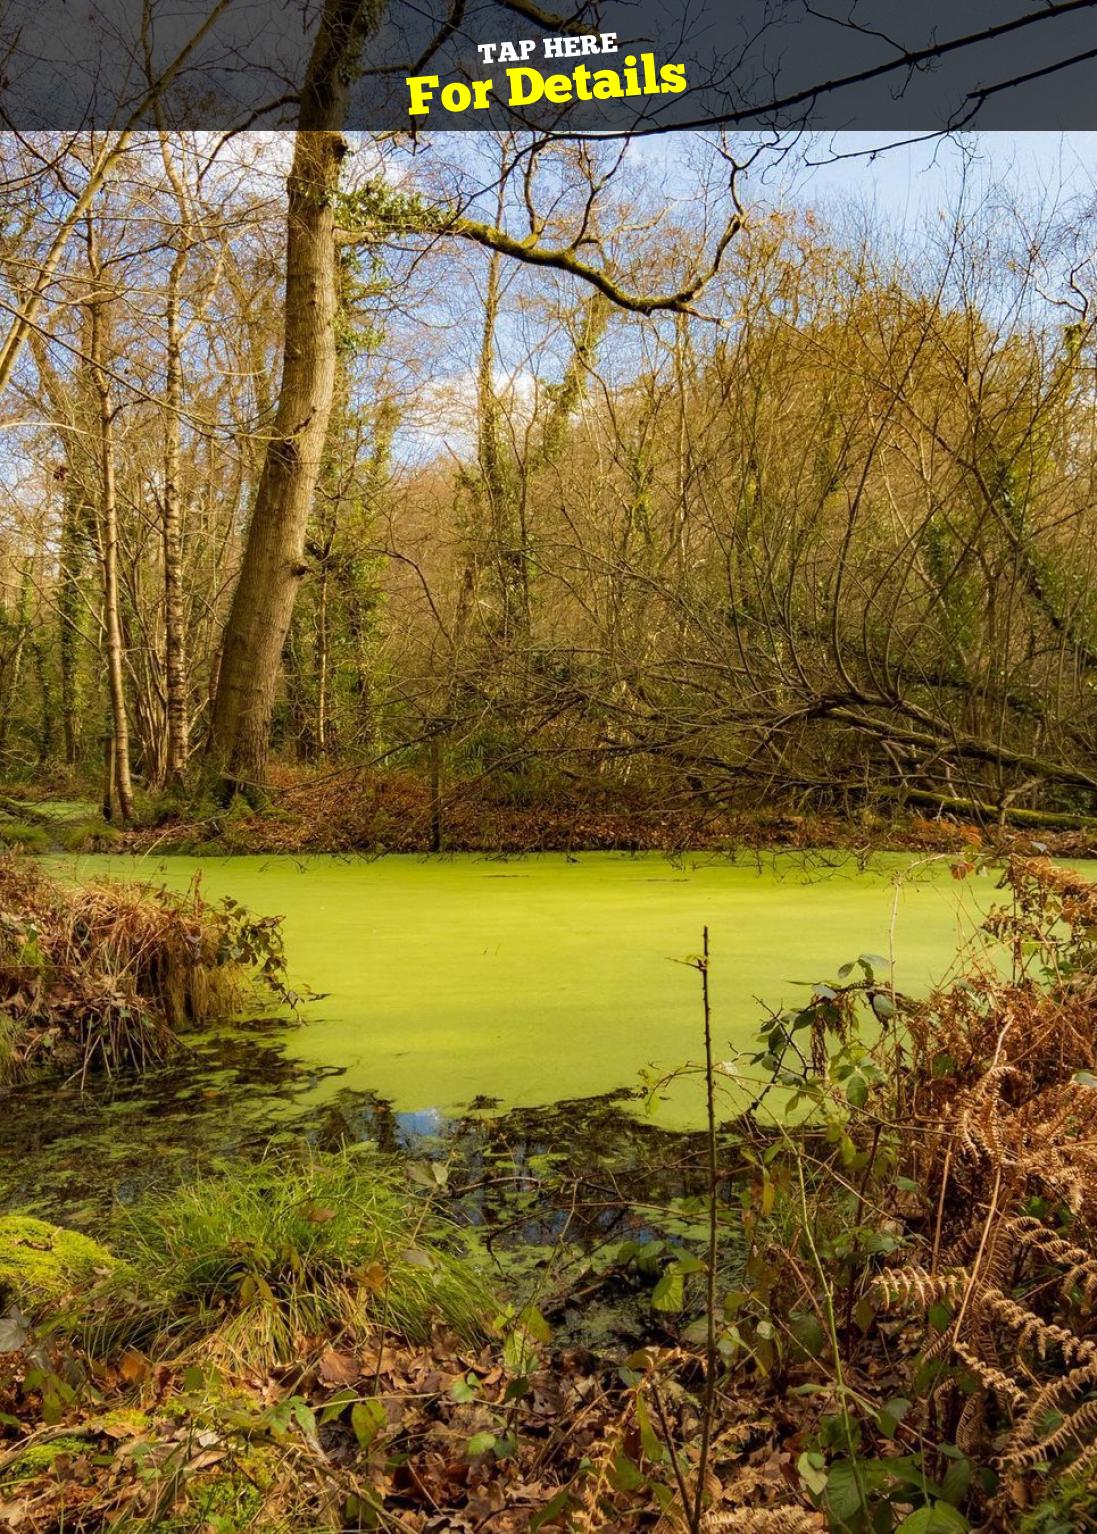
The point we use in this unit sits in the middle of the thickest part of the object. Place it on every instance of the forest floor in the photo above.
(392, 811)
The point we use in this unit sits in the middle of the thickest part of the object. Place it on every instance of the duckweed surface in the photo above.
(451, 982)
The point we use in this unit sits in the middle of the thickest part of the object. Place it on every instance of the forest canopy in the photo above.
(634, 469)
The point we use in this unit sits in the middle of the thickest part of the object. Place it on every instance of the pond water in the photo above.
(521, 982)
(484, 1011)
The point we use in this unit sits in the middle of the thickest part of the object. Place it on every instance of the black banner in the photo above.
(617, 66)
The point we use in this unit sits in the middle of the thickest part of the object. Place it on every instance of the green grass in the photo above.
(261, 1264)
(22, 836)
(88, 835)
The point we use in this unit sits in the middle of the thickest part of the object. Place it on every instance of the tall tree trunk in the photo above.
(68, 610)
(175, 663)
(176, 718)
(108, 543)
(13, 676)
(106, 158)
(322, 660)
(273, 562)
(46, 737)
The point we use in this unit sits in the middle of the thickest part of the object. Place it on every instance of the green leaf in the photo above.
(551, 1510)
(957, 1479)
(650, 1441)
(939, 1518)
(535, 1324)
(940, 1316)
(367, 1418)
(480, 1443)
(669, 1292)
(812, 1471)
(626, 1475)
(336, 1405)
(890, 1416)
(843, 1491)
(864, 1313)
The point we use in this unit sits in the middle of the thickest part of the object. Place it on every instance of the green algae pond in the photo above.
(461, 985)
(449, 981)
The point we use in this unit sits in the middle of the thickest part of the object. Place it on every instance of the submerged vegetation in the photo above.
(103, 976)
(869, 1311)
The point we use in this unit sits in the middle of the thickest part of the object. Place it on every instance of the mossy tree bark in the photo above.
(68, 612)
(175, 661)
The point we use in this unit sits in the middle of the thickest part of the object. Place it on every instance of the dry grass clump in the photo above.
(102, 976)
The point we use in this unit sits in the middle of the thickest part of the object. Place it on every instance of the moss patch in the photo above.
(40, 1458)
(42, 1264)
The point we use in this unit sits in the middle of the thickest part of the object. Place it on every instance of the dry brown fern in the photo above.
(1006, 1128)
(762, 1520)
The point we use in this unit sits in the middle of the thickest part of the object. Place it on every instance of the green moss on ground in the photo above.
(228, 1499)
(41, 1458)
(41, 1265)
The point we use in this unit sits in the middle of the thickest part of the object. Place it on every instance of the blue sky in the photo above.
(907, 181)
(907, 185)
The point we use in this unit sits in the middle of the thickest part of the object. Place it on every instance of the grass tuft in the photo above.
(22, 836)
(257, 1266)
(90, 835)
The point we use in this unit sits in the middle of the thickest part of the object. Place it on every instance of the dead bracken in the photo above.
(104, 976)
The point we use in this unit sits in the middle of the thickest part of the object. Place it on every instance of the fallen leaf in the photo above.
(338, 1368)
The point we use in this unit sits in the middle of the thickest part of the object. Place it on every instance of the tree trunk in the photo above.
(68, 610)
(108, 543)
(175, 664)
(13, 677)
(46, 741)
(322, 658)
(273, 562)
